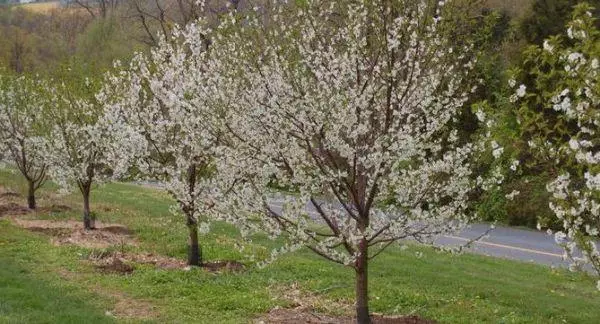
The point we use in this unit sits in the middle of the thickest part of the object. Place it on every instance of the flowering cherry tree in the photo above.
(559, 106)
(75, 143)
(351, 104)
(21, 103)
(161, 110)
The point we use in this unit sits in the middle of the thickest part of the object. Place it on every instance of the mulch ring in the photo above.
(13, 209)
(123, 262)
(8, 194)
(305, 316)
(308, 307)
(8, 206)
(73, 233)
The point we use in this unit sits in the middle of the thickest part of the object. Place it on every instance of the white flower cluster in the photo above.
(350, 104)
(21, 107)
(575, 192)
(161, 114)
(352, 111)
(520, 92)
(74, 143)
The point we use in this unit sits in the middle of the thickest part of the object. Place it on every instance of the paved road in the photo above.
(512, 243)
(503, 242)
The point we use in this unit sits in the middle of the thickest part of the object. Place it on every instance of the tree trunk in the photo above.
(194, 251)
(31, 196)
(362, 285)
(89, 221)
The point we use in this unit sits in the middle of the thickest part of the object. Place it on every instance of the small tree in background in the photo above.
(559, 100)
(75, 144)
(353, 102)
(161, 110)
(21, 102)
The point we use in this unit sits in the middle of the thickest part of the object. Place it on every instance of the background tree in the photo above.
(75, 144)
(37, 42)
(161, 108)
(352, 105)
(158, 18)
(21, 103)
(98, 8)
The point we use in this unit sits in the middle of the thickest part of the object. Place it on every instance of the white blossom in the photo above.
(514, 165)
(21, 104)
(521, 91)
(360, 140)
(548, 47)
(75, 144)
(512, 195)
(576, 189)
(161, 110)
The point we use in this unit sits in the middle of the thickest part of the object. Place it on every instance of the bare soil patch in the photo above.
(303, 300)
(6, 193)
(304, 316)
(13, 209)
(311, 308)
(119, 262)
(58, 232)
(72, 232)
(8, 204)
(9, 195)
(114, 261)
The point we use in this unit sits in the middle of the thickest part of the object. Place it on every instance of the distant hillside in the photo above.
(41, 6)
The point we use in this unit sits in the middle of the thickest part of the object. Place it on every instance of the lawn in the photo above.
(41, 282)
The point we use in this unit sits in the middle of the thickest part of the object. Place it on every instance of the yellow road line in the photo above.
(506, 246)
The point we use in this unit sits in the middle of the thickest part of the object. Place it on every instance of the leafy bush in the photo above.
(528, 207)
(548, 17)
(492, 206)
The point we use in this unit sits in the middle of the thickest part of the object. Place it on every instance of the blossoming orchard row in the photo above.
(350, 104)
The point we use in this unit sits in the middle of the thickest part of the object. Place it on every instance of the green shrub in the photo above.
(548, 17)
(492, 206)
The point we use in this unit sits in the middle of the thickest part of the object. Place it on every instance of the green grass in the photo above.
(29, 293)
(447, 288)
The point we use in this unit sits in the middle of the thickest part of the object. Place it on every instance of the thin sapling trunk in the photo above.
(31, 195)
(89, 220)
(194, 250)
(362, 285)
